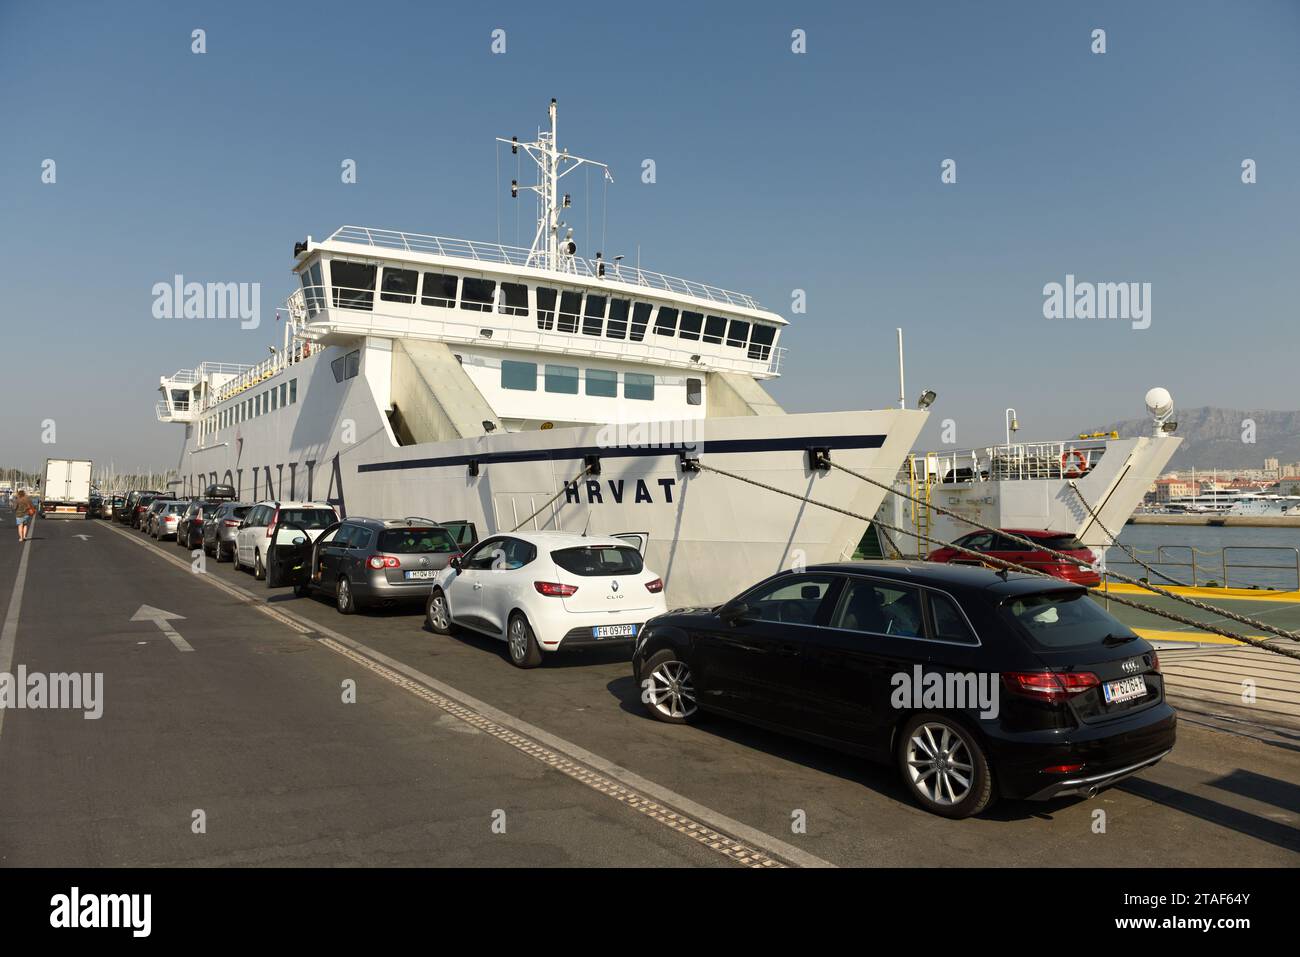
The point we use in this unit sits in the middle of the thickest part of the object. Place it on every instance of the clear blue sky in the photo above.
(776, 171)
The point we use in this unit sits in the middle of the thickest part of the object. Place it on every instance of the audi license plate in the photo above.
(614, 631)
(420, 573)
(1126, 689)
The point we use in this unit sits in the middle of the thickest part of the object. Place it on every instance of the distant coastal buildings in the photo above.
(1274, 478)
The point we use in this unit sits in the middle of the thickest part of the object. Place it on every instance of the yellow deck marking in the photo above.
(1243, 594)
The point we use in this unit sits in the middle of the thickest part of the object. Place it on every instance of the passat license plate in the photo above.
(421, 573)
(614, 631)
(1126, 689)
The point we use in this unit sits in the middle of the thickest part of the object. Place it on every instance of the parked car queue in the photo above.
(1064, 699)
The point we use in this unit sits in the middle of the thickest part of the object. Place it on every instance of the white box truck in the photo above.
(65, 490)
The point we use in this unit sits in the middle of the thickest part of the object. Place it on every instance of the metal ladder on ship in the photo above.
(919, 487)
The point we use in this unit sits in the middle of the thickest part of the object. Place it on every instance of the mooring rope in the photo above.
(1038, 546)
(1172, 616)
(1115, 541)
(551, 500)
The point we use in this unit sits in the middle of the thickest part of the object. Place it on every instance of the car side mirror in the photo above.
(736, 614)
(455, 562)
(244, 524)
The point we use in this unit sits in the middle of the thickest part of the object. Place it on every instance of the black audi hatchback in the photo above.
(975, 683)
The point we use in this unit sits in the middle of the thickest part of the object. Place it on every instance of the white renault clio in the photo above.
(544, 591)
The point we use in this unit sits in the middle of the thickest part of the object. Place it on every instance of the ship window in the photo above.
(690, 327)
(570, 303)
(638, 386)
(602, 382)
(354, 284)
(562, 379)
(514, 299)
(760, 341)
(439, 290)
(737, 333)
(293, 391)
(284, 394)
(640, 319)
(694, 391)
(477, 294)
(399, 285)
(714, 329)
(312, 289)
(616, 328)
(593, 317)
(275, 398)
(521, 376)
(666, 321)
(346, 367)
(545, 308)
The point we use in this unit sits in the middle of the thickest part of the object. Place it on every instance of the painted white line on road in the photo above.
(9, 634)
(704, 815)
(164, 619)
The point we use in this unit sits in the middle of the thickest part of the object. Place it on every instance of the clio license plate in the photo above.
(614, 631)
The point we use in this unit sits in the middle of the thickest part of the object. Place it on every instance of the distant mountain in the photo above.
(1212, 437)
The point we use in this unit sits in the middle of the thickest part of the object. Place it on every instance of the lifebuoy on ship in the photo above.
(1080, 463)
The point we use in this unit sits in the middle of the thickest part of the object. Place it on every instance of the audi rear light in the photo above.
(554, 589)
(383, 561)
(1063, 769)
(655, 587)
(1050, 685)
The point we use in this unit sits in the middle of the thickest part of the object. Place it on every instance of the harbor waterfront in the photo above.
(766, 436)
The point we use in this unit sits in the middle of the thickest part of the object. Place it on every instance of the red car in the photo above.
(997, 546)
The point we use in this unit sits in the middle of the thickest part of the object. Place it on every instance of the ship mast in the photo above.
(553, 164)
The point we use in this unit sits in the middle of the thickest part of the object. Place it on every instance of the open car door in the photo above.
(289, 559)
(463, 531)
(638, 540)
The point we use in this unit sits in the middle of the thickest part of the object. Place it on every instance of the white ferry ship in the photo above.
(536, 388)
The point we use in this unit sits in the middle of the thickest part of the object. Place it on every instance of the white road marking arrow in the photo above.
(82, 537)
(163, 620)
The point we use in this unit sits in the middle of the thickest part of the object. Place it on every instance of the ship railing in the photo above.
(174, 412)
(1198, 565)
(398, 320)
(1021, 461)
(222, 368)
(255, 374)
(518, 257)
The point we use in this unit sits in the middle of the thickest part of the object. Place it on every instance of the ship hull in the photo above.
(709, 535)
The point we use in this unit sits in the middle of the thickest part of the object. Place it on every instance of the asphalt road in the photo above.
(251, 728)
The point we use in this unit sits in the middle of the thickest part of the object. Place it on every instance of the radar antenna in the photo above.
(548, 251)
